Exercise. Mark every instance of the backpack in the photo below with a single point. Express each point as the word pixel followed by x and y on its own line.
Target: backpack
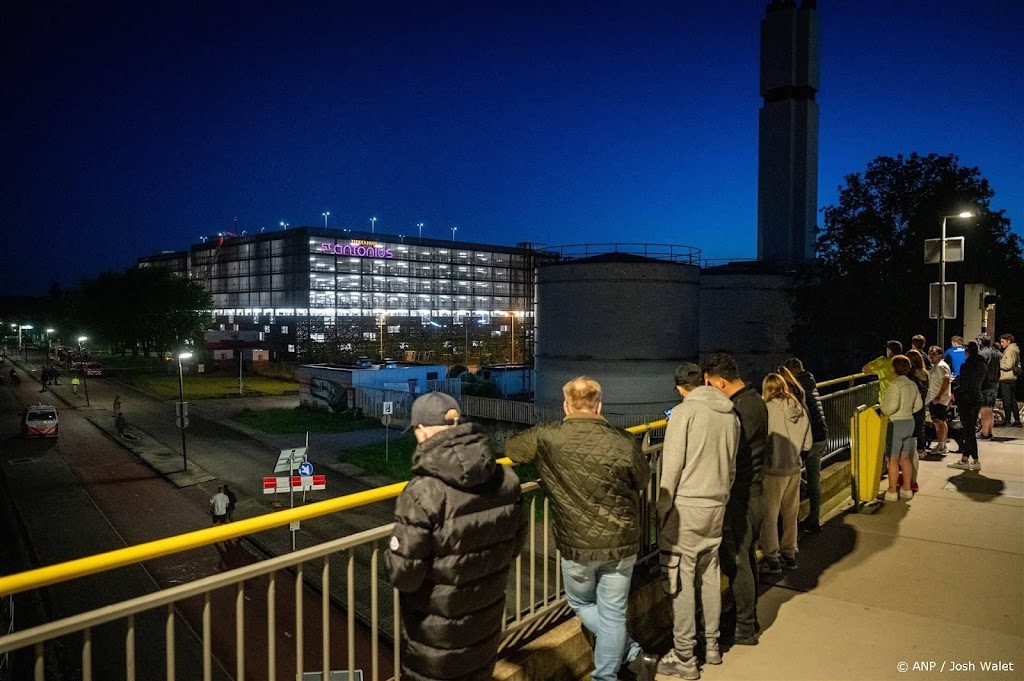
pixel 993 366
pixel 1016 367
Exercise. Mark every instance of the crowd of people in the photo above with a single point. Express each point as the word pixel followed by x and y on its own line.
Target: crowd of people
pixel 957 388
pixel 729 471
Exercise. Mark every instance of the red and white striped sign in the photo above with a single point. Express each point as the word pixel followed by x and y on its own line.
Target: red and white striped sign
pixel 299 483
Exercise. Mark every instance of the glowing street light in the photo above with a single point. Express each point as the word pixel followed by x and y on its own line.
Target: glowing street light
pixel 941 330
pixel 286 225
pixel 420 225
pixel 453 233
pixel 373 223
pixel 326 215
pixel 182 408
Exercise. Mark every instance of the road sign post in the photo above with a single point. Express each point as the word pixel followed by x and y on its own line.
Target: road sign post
pixel 386 420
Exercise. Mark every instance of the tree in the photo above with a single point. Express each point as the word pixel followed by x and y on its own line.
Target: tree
pixel 148 309
pixel 871 282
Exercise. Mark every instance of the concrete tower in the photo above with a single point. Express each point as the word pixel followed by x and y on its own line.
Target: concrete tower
pixel 787 169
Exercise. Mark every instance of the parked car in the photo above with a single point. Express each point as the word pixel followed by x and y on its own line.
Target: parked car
pixel 39 420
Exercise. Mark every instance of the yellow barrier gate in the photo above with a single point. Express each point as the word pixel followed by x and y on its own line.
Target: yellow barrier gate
pixel 868 435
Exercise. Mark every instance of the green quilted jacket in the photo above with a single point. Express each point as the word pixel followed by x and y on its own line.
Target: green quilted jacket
pixel 593 474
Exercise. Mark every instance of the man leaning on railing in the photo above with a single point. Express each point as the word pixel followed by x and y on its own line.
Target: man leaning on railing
pixel 593 474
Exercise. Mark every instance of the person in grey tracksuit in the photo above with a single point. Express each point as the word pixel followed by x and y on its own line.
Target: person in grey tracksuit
pixel 698 467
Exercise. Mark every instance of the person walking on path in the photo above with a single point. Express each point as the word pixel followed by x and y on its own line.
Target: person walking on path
pixel 459 526
pixel 1009 370
pixel 593 474
pixel 745 509
pixel 120 423
pixel 117 405
pixel 939 397
pixel 899 403
pixel 819 437
pixel 969 397
pixel 698 466
pixel 219 507
pixel 232 501
pixel 75 382
pixel 789 430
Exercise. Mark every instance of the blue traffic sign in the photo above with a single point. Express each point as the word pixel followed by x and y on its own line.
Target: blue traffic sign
pixel 305 468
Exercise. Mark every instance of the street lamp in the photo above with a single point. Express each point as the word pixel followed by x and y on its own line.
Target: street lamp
pixel 48 332
pixel 513 314
pixel 326 214
pixel 285 225
pixel 21 345
pixel 453 233
pixel 182 408
pixel 941 326
pixel 373 223
pixel 382 317
pixel 420 225
pixel 85 367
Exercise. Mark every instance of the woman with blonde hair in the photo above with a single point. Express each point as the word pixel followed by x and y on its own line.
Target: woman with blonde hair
pixel 899 403
pixel 789 432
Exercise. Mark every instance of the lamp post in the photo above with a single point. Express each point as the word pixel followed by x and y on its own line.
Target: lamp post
pixel 453 233
pixel 182 408
pixel 326 214
pixel 85 368
pixel 48 358
pixel 420 225
pixel 21 346
pixel 513 316
pixel 382 316
pixel 941 326
pixel 285 225
pixel 373 224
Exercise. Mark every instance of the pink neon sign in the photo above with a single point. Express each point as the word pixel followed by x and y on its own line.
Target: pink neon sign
pixel 357 250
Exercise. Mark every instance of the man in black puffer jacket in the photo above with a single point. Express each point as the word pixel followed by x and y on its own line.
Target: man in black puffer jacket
pixel 458 527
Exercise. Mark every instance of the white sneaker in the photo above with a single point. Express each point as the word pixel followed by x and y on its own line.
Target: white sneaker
pixel 962 465
pixel 938 449
pixel 975 465
pixel 906 494
pixel 892 496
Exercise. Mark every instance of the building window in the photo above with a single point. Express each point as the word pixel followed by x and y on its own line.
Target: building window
pixel 284 329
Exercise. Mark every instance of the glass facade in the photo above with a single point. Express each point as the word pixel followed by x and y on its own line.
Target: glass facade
pixel 310 280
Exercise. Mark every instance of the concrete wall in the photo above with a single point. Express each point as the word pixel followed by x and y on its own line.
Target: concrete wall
pixel 626 324
pixel 749 316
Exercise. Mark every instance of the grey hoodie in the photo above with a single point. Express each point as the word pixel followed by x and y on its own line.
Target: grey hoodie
pixel 789 430
pixel 698 461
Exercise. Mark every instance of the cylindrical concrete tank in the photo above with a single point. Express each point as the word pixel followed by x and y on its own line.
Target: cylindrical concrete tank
pixel 623 320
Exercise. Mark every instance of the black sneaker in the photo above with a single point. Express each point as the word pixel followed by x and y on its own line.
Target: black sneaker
pixel 643 667
pixel 788 562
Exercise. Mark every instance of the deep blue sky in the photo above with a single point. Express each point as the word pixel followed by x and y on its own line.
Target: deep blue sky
pixel 133 127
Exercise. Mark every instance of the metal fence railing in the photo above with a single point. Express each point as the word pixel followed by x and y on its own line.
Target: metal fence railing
pixel 262 621
pixel 529 413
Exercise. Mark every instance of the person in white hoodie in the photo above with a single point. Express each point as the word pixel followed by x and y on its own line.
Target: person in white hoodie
pixel 789 430
pixel 899 403
pixel 698 466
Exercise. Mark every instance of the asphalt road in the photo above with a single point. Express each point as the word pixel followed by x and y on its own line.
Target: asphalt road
pixel 86 493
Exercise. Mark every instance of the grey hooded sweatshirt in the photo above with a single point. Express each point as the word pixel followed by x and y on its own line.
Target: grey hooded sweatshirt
pixel 698 460
pixel 789 430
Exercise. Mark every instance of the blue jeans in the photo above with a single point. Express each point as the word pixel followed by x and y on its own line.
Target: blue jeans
pixel 598 593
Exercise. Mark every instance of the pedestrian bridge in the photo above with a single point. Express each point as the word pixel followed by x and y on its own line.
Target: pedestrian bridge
pixel 915 588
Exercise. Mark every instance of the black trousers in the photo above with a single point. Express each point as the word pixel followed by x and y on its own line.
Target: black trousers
pixel 1009 398
pixel 743 517
pixel 969 420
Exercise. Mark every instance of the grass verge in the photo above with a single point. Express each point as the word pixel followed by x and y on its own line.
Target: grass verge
pixel 205 387
pixel 301 420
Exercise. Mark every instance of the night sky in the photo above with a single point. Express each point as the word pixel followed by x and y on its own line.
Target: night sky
pixel 132 127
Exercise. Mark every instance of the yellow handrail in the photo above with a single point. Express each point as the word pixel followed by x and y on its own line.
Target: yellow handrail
pixel 130 555
pixel 842 379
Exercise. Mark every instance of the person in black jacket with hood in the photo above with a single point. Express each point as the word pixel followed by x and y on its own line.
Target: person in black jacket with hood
pixel 972 383
pixel 819 434
pixel 458 527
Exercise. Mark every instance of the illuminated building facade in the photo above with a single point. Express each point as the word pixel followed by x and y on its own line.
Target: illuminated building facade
pixel 299 286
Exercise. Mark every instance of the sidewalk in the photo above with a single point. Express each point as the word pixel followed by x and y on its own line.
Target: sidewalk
pixel 938 579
